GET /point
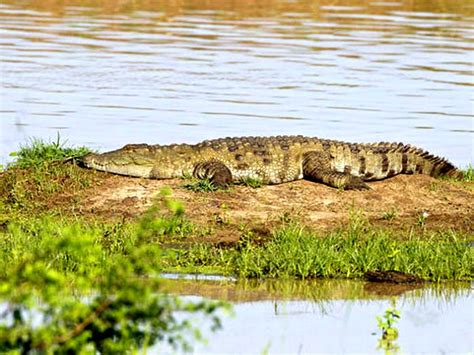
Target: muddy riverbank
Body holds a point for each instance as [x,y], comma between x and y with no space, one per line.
[402,202]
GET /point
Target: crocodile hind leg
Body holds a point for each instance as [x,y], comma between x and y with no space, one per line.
[217,173]
[317,167]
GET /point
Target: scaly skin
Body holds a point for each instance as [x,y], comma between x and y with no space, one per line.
[272,160]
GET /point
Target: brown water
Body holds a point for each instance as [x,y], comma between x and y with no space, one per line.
[172,71]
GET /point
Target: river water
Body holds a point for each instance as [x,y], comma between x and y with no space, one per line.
[333,317]
[159,71]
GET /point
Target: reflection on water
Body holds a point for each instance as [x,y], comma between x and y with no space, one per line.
[334,316]
[318,290]
[161,71]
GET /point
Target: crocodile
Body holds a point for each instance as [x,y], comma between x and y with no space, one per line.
[272,160]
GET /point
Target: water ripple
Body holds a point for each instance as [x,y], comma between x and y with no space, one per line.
[377,70]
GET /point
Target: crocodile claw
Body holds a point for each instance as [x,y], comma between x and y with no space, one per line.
[356,184]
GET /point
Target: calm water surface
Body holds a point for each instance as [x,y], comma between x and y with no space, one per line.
[308,317]
[172,71]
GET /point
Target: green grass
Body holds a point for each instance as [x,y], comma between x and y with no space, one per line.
[468,174]
[390,215]
[42,188]
[252,183]
[40,177]
[21,239]
[295,252]
[38,152]
[200,185]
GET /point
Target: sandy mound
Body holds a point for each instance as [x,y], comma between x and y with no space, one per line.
[397,202]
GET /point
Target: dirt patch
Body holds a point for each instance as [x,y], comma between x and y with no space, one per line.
[399,202]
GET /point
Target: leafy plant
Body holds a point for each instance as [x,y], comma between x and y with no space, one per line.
[69,288]
[386,324]
[164,218]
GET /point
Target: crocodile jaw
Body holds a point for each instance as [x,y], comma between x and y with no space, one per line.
[95,161]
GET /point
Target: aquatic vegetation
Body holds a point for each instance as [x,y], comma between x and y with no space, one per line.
[386,324]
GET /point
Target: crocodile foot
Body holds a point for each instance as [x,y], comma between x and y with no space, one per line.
[356,183]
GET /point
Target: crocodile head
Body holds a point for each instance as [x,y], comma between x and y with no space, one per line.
[133,160]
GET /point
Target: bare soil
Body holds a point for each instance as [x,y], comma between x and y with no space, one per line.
[397,202]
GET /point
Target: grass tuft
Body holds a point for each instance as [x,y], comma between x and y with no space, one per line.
[390,215]
[201,185]
[41,178]
[252,183]
[37,152]
[468,174]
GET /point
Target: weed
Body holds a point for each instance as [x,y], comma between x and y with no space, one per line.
[38,152]
[252,182]
[186,176]
[468,174]
[465,176]
[39,178]
[390,215]
[422,217]
[201,185]
[386,324]
[164,219]
[295,251]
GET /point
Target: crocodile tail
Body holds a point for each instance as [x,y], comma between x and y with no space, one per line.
[425,163]
[378,161]
[407,159]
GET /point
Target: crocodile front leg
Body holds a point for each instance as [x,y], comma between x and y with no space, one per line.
[317,167]
[217,173]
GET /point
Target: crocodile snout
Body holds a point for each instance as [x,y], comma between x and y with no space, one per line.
[88,160]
